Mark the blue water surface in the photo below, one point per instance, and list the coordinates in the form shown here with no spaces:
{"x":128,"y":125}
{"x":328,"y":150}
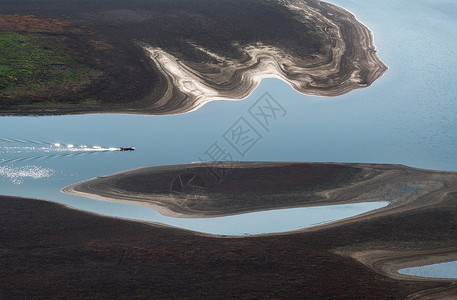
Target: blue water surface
{"x":441,"y":270}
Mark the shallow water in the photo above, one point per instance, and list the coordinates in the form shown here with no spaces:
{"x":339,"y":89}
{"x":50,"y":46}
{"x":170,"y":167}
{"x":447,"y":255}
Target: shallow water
{"x":441,"y":270}
{"x":406,"y":117}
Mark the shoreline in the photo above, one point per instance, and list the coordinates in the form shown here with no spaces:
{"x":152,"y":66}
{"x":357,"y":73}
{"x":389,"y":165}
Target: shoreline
{"x":269,"y":62}
{"x":391,"y":262}
{"x":184,"y":86}
{"x":325,"y":240}
{"x":386,"y":262}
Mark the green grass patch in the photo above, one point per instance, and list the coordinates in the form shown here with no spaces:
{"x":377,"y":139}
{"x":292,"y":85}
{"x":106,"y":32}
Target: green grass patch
{"x":32,"y":65}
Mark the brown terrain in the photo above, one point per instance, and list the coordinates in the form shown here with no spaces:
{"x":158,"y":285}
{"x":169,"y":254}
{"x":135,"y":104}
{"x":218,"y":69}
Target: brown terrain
{"x":117,"y":76}
{"x":161,"y":57}
{"x":221,"y":188}
{"x":48,"y":250}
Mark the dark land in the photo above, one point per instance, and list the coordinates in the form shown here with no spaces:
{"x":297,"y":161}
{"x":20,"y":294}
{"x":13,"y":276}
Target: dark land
{"x":88,"y":55}
{"x":49,"y":251}
{"x":355,"y":258}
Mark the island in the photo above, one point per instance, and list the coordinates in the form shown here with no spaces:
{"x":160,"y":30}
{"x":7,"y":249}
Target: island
{"x":162,"y":57}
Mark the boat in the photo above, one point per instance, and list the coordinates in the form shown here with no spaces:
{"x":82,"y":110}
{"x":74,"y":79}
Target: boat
{"x":127,"y":149}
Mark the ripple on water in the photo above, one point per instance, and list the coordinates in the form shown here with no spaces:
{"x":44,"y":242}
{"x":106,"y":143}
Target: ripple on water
{"x":18,"y":174}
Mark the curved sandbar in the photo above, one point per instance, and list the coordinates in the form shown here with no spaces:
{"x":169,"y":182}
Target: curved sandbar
{"x":417,"y":228}
{"x":193,"y":190}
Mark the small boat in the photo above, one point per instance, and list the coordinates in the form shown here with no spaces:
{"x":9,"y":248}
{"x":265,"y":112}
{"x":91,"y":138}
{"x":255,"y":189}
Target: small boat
{"x":127,"y":149}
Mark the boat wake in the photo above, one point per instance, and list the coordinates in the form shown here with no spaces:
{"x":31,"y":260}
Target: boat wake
{"x":16,"y":150}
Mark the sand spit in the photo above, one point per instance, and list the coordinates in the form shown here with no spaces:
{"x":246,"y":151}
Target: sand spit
{"x":252,"y":186}
{"x":42,"y":239}
{"x":353,"y":64}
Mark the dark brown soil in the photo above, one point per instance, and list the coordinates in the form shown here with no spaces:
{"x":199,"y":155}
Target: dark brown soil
{"x":49,"y":251}
{"x":230,"y":190}
{"x":222,"y":188}
{"x":117,"y":67}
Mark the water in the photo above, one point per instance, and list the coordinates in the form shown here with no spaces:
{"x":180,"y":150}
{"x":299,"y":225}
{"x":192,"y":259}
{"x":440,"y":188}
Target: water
{"x":441,"y":270}
{"x":271,"y":221}
{"x":406,"y":117}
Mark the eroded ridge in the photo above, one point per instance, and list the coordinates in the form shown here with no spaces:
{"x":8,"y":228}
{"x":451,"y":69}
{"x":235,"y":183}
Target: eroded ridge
{"x":347,"y":62}
{"x":160,"y":57}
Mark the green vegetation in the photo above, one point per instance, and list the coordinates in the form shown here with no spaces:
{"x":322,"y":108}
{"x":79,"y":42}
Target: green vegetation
{"x":34,"y":66}
{"x":100,"y":45}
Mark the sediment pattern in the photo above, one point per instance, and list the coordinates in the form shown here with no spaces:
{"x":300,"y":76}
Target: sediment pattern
{"x":165,"y":57}
{"x":352,"y":64}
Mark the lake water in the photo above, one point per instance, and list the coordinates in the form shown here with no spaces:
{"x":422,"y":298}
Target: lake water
{"x":441,"y":270}
{"x":408,"y":117}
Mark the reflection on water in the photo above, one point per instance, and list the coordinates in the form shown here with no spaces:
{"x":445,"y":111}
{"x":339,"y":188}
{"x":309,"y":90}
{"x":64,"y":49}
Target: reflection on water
{"x":441,"y":270}
{"x":18,"y":174}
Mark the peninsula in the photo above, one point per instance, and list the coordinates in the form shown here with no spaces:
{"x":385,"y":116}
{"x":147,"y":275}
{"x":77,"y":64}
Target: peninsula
{"x":162,"y":57}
